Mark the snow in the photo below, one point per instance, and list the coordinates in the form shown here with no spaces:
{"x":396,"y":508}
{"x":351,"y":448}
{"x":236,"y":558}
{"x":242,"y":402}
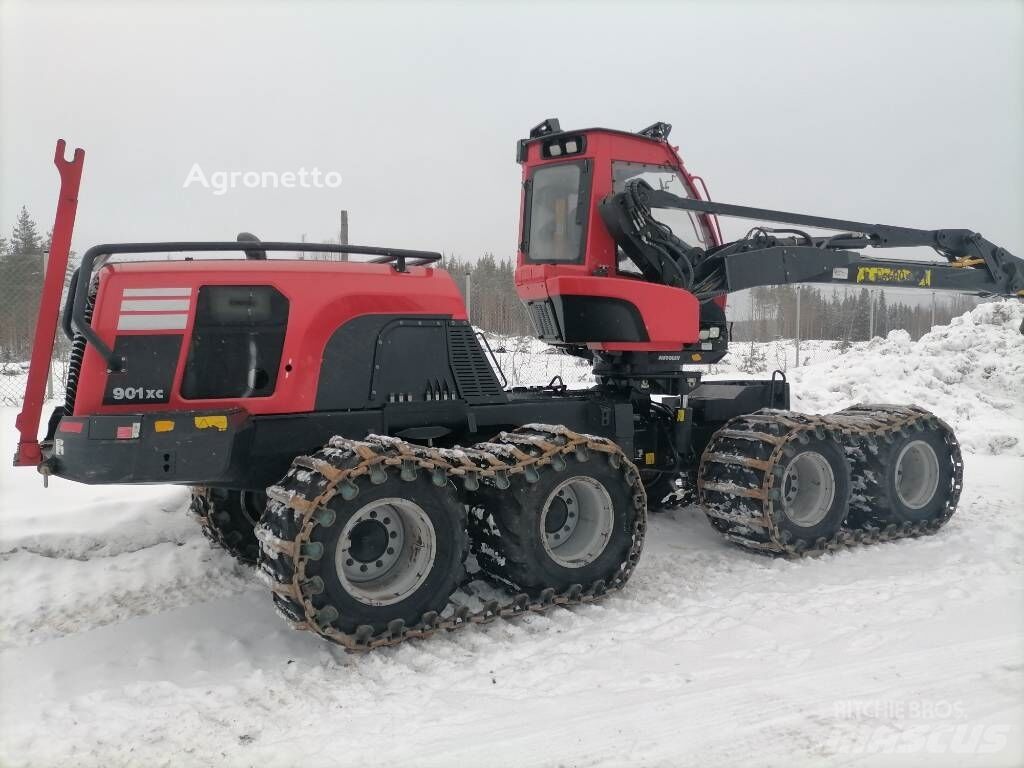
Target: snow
{"x":126,"y":639}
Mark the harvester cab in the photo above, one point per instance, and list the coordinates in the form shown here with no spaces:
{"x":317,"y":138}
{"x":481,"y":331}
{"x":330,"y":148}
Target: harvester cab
{"x":584,"y":287}
{"x":343,"y":425}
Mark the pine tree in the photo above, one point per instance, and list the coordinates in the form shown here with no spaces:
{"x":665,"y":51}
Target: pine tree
{"x":21,"y":275}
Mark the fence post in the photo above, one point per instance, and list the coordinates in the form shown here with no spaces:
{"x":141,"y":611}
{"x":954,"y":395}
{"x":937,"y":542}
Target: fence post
{"x":798,"y":291}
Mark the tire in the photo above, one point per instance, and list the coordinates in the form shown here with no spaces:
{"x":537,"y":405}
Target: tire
{"x":811,"y":493}
{"x":411,"y":581}
{"x":912,"y":479}
{"x":512,"y":544}
{"x":229,"y":518}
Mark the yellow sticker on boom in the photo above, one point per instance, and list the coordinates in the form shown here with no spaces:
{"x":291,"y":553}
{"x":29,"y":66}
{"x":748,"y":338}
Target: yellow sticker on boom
{"x":899,"y":275}
{"x":220,"y":423}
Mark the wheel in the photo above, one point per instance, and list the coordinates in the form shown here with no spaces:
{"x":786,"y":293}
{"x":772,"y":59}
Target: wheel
{"x":912,"y":479}
{"x":574,"y":525}
{"x":229,"y":518}
{"x":811,"y":494}
{"x":394,"y":551}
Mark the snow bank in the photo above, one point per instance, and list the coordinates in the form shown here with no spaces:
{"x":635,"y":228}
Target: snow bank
{"x":970,"y":373}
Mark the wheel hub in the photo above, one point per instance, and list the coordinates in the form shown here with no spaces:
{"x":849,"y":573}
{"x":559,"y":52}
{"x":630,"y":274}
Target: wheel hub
{"x":808,"y":489}
{"x":385,"y":551}
{"x":577,"y":520}
{"x":368,"y":541}
{"x":917,"y":474}
{"x":558,"y":515}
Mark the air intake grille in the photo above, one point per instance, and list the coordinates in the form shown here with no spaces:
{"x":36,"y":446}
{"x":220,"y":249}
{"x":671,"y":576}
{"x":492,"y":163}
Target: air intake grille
{"x":473,"y":374}
{"x":544,"y":319}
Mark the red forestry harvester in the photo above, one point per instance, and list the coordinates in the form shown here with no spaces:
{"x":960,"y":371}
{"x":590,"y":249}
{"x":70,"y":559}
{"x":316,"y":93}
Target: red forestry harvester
{"x":317,"y":408}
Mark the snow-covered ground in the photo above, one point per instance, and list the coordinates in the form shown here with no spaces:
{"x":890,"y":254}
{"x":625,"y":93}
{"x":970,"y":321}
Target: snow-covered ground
{"x":125,"y":639}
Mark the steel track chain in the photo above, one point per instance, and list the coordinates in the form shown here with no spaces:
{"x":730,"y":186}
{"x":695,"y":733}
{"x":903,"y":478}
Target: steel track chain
{"x":313,"y":481}
{"x":202,"y":508}
{"x":856,"y":429}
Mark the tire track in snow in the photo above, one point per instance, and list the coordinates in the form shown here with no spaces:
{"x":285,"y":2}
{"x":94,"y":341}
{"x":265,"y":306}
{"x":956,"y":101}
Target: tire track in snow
{"x":78,"y":595}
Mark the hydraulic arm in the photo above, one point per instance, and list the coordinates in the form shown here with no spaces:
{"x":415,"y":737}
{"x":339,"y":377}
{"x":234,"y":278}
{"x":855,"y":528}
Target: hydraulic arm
{"x":768,"y":256}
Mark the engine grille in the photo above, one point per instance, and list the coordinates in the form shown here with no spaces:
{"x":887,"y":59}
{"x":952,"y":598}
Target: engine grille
{"x":544,"y":319}
{"x":473,"y":374}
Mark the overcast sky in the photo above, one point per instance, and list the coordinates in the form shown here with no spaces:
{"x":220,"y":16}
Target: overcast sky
{"x":909,"y":114}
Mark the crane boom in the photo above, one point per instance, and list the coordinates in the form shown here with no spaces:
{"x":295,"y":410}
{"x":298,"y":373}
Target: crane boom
{"x":971,"y":263}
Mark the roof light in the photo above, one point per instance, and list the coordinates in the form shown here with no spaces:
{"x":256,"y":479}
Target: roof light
{"x":554,"y":150}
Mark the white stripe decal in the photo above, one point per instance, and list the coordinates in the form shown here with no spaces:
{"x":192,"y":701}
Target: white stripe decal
{"x":152,"y":322}
{"x":155,"y":305}
{"x":156,"y":292}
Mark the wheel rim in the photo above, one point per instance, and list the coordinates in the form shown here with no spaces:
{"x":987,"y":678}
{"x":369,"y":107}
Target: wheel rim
{"x":385,"y":551}
{"x":917,"y":474}
{"x":808,"y":489}
{"x":577,"y":522}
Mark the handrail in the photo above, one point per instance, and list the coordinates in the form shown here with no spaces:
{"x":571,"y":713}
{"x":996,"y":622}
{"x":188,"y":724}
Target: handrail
{"x":401,"y":258}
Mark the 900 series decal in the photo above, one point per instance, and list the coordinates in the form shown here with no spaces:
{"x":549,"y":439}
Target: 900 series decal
{"x":147,"y":374}
{"x":139,"y":394}
{"x":154,"y":309}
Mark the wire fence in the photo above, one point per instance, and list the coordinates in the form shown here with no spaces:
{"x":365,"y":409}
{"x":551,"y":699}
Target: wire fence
{"x":526,"y":361}
{"x":21,"y":280}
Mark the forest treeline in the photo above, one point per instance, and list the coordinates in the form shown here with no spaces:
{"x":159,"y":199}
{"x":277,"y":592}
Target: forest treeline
{"x":853,"y":315}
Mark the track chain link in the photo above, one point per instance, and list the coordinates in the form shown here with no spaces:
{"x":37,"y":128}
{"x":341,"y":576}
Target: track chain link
{"x":857,"y":430}
{"x":314,"y":480}
{"x":203,"y":507}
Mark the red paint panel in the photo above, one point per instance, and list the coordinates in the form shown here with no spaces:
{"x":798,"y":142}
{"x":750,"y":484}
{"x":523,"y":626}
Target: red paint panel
{"x":322,"y":296}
